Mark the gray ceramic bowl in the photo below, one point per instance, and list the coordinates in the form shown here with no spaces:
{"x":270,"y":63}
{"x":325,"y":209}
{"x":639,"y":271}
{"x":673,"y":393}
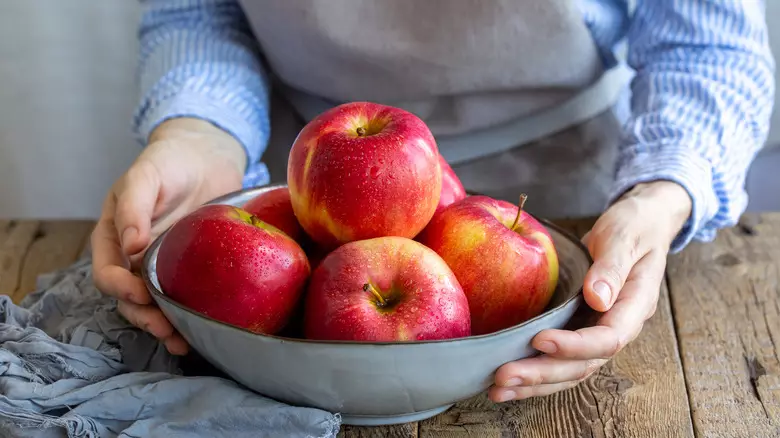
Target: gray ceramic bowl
{"x":370,"y":383}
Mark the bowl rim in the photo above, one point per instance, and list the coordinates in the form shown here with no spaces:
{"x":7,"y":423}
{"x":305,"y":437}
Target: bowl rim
{"x":155,"y":291}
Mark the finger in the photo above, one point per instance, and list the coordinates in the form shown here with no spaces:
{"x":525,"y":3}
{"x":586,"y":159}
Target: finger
{"x":617,"y":327}
{"x":597,"y":342}
{"x":542,"y":370}
{"x":109,"y":265}
{"x":152,"y":320}
{"x":158,"y":226}
{"x":147,"y":318}
{"x":585,"y":238}
{"x":499,"y":395}
{"x":136,"y":198}
{"x":615,"y":249}
{"x":176,"y":345}
{"x":641,"y":296}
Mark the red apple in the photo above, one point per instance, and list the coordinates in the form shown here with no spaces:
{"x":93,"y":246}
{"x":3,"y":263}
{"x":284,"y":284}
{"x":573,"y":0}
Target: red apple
{"x":274,"y":207}
{"x":503,"y":258}
{"x":226,"y":264}
{"x":363,"y":170}
{"x":451,"y":188}
{"x":382,"y":290}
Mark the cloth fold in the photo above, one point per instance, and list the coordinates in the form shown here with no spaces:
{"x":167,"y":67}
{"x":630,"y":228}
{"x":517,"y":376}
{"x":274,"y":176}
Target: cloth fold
{"x":70,"y":365}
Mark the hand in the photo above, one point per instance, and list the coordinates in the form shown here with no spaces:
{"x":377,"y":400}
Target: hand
{"x":186,"y":163}
{"x":629,"y":245}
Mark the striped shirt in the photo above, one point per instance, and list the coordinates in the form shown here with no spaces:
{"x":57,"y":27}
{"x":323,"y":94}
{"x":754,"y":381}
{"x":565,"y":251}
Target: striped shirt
{"x":702,"y":93}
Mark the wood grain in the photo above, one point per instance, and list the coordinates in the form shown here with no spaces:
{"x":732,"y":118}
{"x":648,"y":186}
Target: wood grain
{"x":408,"y":430}
{"x":17,"y":238}
{"x":31,"y":248}
{"x":5,"y":226}
{"x":727,"y":304}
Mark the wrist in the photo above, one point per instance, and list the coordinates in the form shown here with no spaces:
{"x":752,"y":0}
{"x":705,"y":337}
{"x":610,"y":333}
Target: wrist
{"x":668,"y":197}
{"x":220,"y":143}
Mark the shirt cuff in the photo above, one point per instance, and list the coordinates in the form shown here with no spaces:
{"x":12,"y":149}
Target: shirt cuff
{"x":683,"y":167}
{"x":252,"y":138}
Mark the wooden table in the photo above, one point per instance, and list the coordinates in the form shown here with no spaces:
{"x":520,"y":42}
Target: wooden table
{"x":706,"y":365}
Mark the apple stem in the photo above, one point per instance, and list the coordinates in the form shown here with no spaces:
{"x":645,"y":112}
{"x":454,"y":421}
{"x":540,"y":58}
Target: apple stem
{"x":368,"y":287}
{"x":523,"y":198}
{"x":361,"y":131}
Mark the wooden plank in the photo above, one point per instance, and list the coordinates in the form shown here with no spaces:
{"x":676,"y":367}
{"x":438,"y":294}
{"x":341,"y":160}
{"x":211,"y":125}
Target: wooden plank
{"x":640,"y":393}
{"x":408,"y":430}
{"x":31,"y":248}
{"x":56,"y":245}
{"x":5,"y":228}
{"x":726,"y":302}
{"x":18,"y":237}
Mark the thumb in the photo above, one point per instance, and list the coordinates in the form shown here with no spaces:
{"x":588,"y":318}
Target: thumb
{"x":614,"y":255}
{"x":135,"y":203}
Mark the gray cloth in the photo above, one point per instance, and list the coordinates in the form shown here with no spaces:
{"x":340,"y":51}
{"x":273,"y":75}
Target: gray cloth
{"x":70,"y":365}
{"x":485,"y":76}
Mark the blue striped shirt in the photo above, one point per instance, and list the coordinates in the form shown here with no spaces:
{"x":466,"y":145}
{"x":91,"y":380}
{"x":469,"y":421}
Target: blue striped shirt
{"x":702,"y":94}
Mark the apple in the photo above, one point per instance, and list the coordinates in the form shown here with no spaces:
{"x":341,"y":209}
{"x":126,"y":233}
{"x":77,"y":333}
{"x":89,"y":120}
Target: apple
{"x":503,"y":258}
{"x":225,"y":263}
{"x":274,"y":207}
{"x":451,"y":188}
{"x":362,"y":170}
{"x":385,"y":289}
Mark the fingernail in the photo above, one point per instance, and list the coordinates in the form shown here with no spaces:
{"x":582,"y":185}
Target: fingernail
{"x":547,"y":347}
{"x":506,"y":395}
{"x":514,"y":381}
{"x":129,"y":234}
{"x":603,"y":291}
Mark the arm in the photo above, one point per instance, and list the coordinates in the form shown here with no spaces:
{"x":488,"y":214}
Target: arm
{"x":199,"y":59}
{"x":702,"y":98}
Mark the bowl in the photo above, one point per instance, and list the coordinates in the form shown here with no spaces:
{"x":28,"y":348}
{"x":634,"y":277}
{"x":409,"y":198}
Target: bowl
{"x":369,"y":383}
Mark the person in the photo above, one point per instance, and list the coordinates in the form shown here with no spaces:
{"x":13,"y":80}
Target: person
{"x":520,"y":94}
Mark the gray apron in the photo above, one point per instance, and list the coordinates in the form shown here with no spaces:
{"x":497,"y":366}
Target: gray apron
{"x":513,"y":90}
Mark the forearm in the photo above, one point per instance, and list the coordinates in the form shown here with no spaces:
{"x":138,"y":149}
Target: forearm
{"x":199,"y":60}
{"x":702,"y":98}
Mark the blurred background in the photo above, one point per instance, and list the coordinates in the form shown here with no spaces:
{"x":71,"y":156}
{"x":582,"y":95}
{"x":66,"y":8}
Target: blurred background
{"x":67,"y":92}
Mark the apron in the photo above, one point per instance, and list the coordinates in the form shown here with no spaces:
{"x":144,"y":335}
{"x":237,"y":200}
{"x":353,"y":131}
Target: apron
{"x":513,"y":90}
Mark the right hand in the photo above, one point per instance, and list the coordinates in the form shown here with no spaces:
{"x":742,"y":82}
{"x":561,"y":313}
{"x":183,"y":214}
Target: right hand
{"x":187,"y":162}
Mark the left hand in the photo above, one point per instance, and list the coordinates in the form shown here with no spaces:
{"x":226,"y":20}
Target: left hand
{"x":629,"y":244}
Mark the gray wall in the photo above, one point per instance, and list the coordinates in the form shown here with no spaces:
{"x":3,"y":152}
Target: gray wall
{"x":67,"y":91}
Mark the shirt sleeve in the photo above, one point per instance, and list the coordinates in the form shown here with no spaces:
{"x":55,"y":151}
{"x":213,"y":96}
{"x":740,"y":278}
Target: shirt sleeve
{"x":701,"y":102}
{"x":198,"y":58}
